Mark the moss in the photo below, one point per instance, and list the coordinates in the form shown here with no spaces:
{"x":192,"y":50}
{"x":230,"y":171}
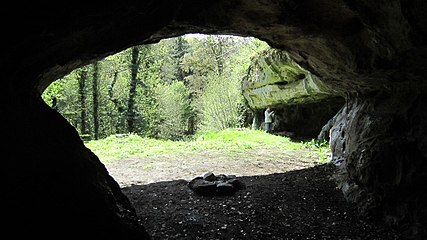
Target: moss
{"x":274,"y":78}
{"x":271,"y":67}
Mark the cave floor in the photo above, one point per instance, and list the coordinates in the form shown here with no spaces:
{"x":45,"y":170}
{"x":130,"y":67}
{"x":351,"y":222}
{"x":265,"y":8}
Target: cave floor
{"x":283,"y":199}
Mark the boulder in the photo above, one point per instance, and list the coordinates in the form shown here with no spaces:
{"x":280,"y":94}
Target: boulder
{"x":275,"y":79}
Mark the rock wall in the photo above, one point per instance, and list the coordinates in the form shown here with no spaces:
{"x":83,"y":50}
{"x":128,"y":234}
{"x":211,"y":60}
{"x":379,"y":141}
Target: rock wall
{"x":378,"y":140}
{"x":54,"y":186}
{"x":379,"y":144}
{"x":375,"y":52}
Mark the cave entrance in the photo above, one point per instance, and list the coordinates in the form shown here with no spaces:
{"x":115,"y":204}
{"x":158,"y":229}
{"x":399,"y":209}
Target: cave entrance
{"x":175,"y":110}
{"x":150,"y":113}
{"x":166,"y":90}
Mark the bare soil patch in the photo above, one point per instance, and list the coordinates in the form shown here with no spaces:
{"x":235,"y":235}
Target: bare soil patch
{"x":187,"y":166}
{"x":287,"y":196}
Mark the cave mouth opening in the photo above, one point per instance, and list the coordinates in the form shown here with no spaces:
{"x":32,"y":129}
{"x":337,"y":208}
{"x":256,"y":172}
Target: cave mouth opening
{"x":130,"y":91}
{"x":157,"y":184}
{"x":169,"y":91}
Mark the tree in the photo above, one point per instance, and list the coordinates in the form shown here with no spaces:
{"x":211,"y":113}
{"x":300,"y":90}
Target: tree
{"x":216,"y":66}
{"x":217,"y":45}
{"x":116,"y":76}
{"x":95,"y":100}
{"x":82,"y":95}
{"x":221,"y":104}
{"x":173,"y":107}
{"x":169,"y":89}
{"x":174,"y":51}
{"x":132,"y":89}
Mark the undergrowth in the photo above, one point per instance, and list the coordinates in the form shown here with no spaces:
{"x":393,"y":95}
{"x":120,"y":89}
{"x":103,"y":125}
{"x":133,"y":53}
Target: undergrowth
{"x":118,"y":147}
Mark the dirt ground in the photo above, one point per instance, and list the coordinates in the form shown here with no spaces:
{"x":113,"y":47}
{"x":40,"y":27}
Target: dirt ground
{"x":287,"y":196}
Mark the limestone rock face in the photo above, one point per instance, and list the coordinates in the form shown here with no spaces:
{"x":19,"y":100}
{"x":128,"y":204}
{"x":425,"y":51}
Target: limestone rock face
{"x":301,"y":101}
{"x":275,"y":79}
{"x":382,"y":174}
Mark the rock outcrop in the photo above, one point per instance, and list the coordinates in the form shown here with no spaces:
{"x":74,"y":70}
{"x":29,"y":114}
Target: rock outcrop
{"x":374,"y":52}
{"x":275,"y":79}
{"x":381,"y":158}
{"x":301,"y":101}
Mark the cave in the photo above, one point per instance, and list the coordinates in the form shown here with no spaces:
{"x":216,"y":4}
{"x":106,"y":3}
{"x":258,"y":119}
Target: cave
{"x":371,"y":53}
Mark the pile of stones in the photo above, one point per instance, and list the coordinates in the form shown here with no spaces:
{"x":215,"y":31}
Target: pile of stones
{"x":211,"y":185}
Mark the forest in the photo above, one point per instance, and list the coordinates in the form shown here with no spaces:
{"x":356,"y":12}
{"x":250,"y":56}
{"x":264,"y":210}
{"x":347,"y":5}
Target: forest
{"x":168,"y":90}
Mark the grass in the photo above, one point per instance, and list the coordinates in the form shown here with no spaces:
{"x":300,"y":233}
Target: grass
{"x":118,"y":147}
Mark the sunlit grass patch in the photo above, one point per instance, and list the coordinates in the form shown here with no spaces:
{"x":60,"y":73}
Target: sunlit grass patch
{"x":118,"y":147}
{"x":241,"y":139}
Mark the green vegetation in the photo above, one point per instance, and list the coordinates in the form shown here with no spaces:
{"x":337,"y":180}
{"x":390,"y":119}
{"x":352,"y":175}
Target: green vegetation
{"x":119,"y":147}
{"x":168,"y":90}
{"x":320,"y":148}
{"x":177,"y":97}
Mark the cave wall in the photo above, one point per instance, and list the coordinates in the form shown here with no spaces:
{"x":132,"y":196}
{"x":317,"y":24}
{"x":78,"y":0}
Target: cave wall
{"x":381,"y":147}
{"x":373,"y":51}
{"x":54,"y":186}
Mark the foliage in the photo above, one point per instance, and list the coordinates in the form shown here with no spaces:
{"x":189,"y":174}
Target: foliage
{"x":173,"y":109}
{"x":321,"y":148}
{"x":52,"y":92}
{"x":180,"y":86}
{"x":221,"y":104}
{"x":215,"y":69}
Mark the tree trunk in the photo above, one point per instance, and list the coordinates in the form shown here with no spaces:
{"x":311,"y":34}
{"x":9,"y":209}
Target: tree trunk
{"x":121,"y":119}
{"x":132,"y":89}
{"x":216,"y":44}
{"x":82,"y":94}
{"x":95,"y":99}
{"x":182,"y":49}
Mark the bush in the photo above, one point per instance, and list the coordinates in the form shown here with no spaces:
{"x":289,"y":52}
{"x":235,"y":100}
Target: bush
{"x":173,"y":109}
{"x":221,"y":105}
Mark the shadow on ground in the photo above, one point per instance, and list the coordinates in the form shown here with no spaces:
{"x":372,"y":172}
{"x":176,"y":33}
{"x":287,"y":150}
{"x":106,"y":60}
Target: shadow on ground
{"x":302,"y":204}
